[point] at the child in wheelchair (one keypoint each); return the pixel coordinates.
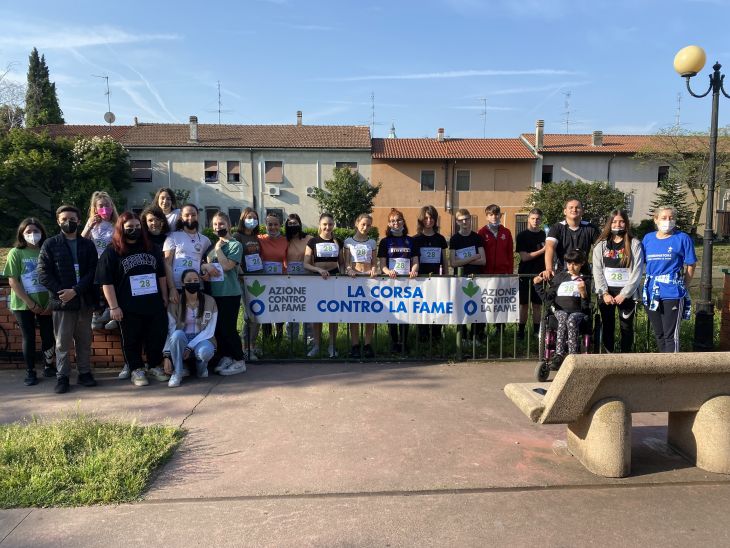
(567, 297)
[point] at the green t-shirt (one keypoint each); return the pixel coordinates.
(23, 265)
(226, 285)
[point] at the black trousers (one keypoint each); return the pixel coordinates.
(143, 330)
(626, 311)
(398, 334)
(226, 329)
(26, 321)
(665, 321)
(430, 331)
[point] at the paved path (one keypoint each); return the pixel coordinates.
(342, 455)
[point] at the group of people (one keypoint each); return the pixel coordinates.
(176, 296)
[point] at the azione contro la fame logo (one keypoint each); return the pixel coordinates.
(256, 306)
(470, 306)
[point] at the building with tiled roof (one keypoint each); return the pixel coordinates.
(231, 167)
(449, 174)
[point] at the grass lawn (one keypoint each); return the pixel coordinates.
(80, 460)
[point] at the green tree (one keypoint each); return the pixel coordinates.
(598, 199)
(671, 192)
(346, 196)
(11, 102)
(41, 101)
(99, 163)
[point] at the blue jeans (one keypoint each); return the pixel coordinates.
(176, 344)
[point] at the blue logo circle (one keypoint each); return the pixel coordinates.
(470, 307)
(257, 307)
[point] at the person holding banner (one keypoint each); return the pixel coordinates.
(131, 272)
(222, 268)
(273, 246)
(466, 247)
(361, 260)
(29, 299)
(431, 259)
(184, 249)
(530, 244)
(618, 264)
(247, 236)
(297, 241)
(398, 257)
(324, 256)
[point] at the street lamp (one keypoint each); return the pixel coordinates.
(688, 62)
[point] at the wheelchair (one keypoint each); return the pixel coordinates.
(590, 341)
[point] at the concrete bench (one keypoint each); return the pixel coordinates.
(595, 396)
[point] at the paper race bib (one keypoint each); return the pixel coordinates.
(180, 265)
(465, 253)
(327, 250)
(568, 289)
(430, 255)
(143, 284)
(77, 270)
(253, 262)
(295, 268)
(273, 267)
(30, 279)
(361, 254)
(216, 272)
(401, 266)
(616, 277)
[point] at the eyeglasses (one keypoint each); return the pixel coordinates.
(462, 220)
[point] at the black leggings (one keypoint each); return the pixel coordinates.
(626, 312)
(665, 321)
(226, 329)
(148, 330)
(26, 322)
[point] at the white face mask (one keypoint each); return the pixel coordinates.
(33, 238)
(666, 226)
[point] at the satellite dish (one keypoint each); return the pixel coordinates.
(109, 117)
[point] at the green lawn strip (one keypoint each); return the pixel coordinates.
(80, 460)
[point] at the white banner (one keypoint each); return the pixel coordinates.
(341, 299)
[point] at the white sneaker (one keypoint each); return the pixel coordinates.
(202, 371)
(223, 363)
(175, 380)
(234, 368)
(125, 372)
(111, 325)
(333, 353)
(250, 355)
(314, 352)
(139, 378)
(158, 374)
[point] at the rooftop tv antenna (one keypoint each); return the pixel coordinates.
(220, 108)
(483, 114)
(372, 114)
(108, 115)
(566, 112)
(678, 115)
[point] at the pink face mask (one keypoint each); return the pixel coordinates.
(104, 212)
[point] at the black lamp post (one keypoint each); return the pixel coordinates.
(688, 62)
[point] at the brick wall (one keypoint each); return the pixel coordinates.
(106, 349)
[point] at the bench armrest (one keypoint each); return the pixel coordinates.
(524, 396)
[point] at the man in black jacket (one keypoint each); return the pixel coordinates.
(66, 267)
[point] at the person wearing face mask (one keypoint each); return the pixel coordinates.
(184, 249)
(191, 329)
(29, 299)
(66, 268)
(222, 268)
(247, 236)
(618, 264)
(297, 241)
(667, 252)
(131, 272)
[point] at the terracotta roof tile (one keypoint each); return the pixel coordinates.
(556, 142)
(474, 149)
(229, 136)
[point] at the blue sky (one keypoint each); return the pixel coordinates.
(428, 63)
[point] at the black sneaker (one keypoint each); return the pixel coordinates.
(61, 385)
(30, 378)
(49, 371)
(355, 353)
(367, 352)
(86, 379)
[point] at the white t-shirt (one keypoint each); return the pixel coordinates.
(361, 252)
(172, 218)
(189, 250)
(101, 235)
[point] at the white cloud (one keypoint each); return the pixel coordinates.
(450, 74)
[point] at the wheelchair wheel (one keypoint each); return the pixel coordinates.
(542, 371)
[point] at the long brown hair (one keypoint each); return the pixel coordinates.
(183, 297)
(628, 236)
(119, 243)
(242, 221)
(431, 212)
(20, 242)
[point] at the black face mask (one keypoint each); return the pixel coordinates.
(133, 233)
(69, 227)
(292, 231)
(618, 231)
(192, 287)
(222, 232)
(191, 225)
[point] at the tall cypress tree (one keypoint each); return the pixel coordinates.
(41, 101)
